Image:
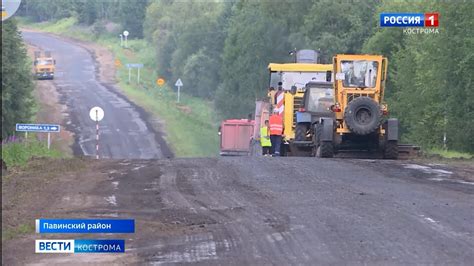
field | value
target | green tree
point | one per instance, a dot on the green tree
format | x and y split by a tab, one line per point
430	80
247	52
189	47
17	86
338	26
131	15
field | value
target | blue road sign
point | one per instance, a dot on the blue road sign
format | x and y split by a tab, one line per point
38	128
134	65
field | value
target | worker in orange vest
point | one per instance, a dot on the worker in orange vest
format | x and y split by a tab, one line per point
276	132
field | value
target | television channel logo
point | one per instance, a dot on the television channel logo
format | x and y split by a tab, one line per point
409	20
54	246
80	246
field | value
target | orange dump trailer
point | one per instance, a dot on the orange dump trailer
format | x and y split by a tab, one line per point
236	135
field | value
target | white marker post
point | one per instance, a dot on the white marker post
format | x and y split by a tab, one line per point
96	114
129	74
138	76
125	33
179	84
121	40
49	140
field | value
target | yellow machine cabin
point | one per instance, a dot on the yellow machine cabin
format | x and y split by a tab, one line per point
45	65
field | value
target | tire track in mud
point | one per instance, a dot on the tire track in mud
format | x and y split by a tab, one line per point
239	226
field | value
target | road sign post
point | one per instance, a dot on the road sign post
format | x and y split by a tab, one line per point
179	84
96	114
49	140
137	66
97	134
40	128
179	92
125	33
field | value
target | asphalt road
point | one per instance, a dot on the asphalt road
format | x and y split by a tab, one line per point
124	133
291	211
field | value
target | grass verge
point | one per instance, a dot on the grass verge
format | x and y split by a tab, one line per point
447	154
14	232
190	126
18	153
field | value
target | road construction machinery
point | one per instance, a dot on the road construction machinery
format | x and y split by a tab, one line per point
359	113
294	79
235	136
45	65
316	103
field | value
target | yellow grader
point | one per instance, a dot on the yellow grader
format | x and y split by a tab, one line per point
357	119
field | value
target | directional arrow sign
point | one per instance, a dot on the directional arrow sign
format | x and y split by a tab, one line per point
38	128
134	65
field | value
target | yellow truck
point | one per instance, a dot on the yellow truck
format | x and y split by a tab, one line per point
4	12
44	65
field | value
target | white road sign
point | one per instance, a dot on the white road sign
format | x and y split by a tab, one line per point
96	114
179	83
125	33
38	127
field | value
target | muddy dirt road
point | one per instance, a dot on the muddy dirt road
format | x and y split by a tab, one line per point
125	133
273	211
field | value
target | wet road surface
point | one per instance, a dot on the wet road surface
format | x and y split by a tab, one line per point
124	133
280	211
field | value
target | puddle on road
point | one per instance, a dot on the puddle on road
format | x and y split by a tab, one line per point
189	249
111	200
428	170
113	214
439	174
